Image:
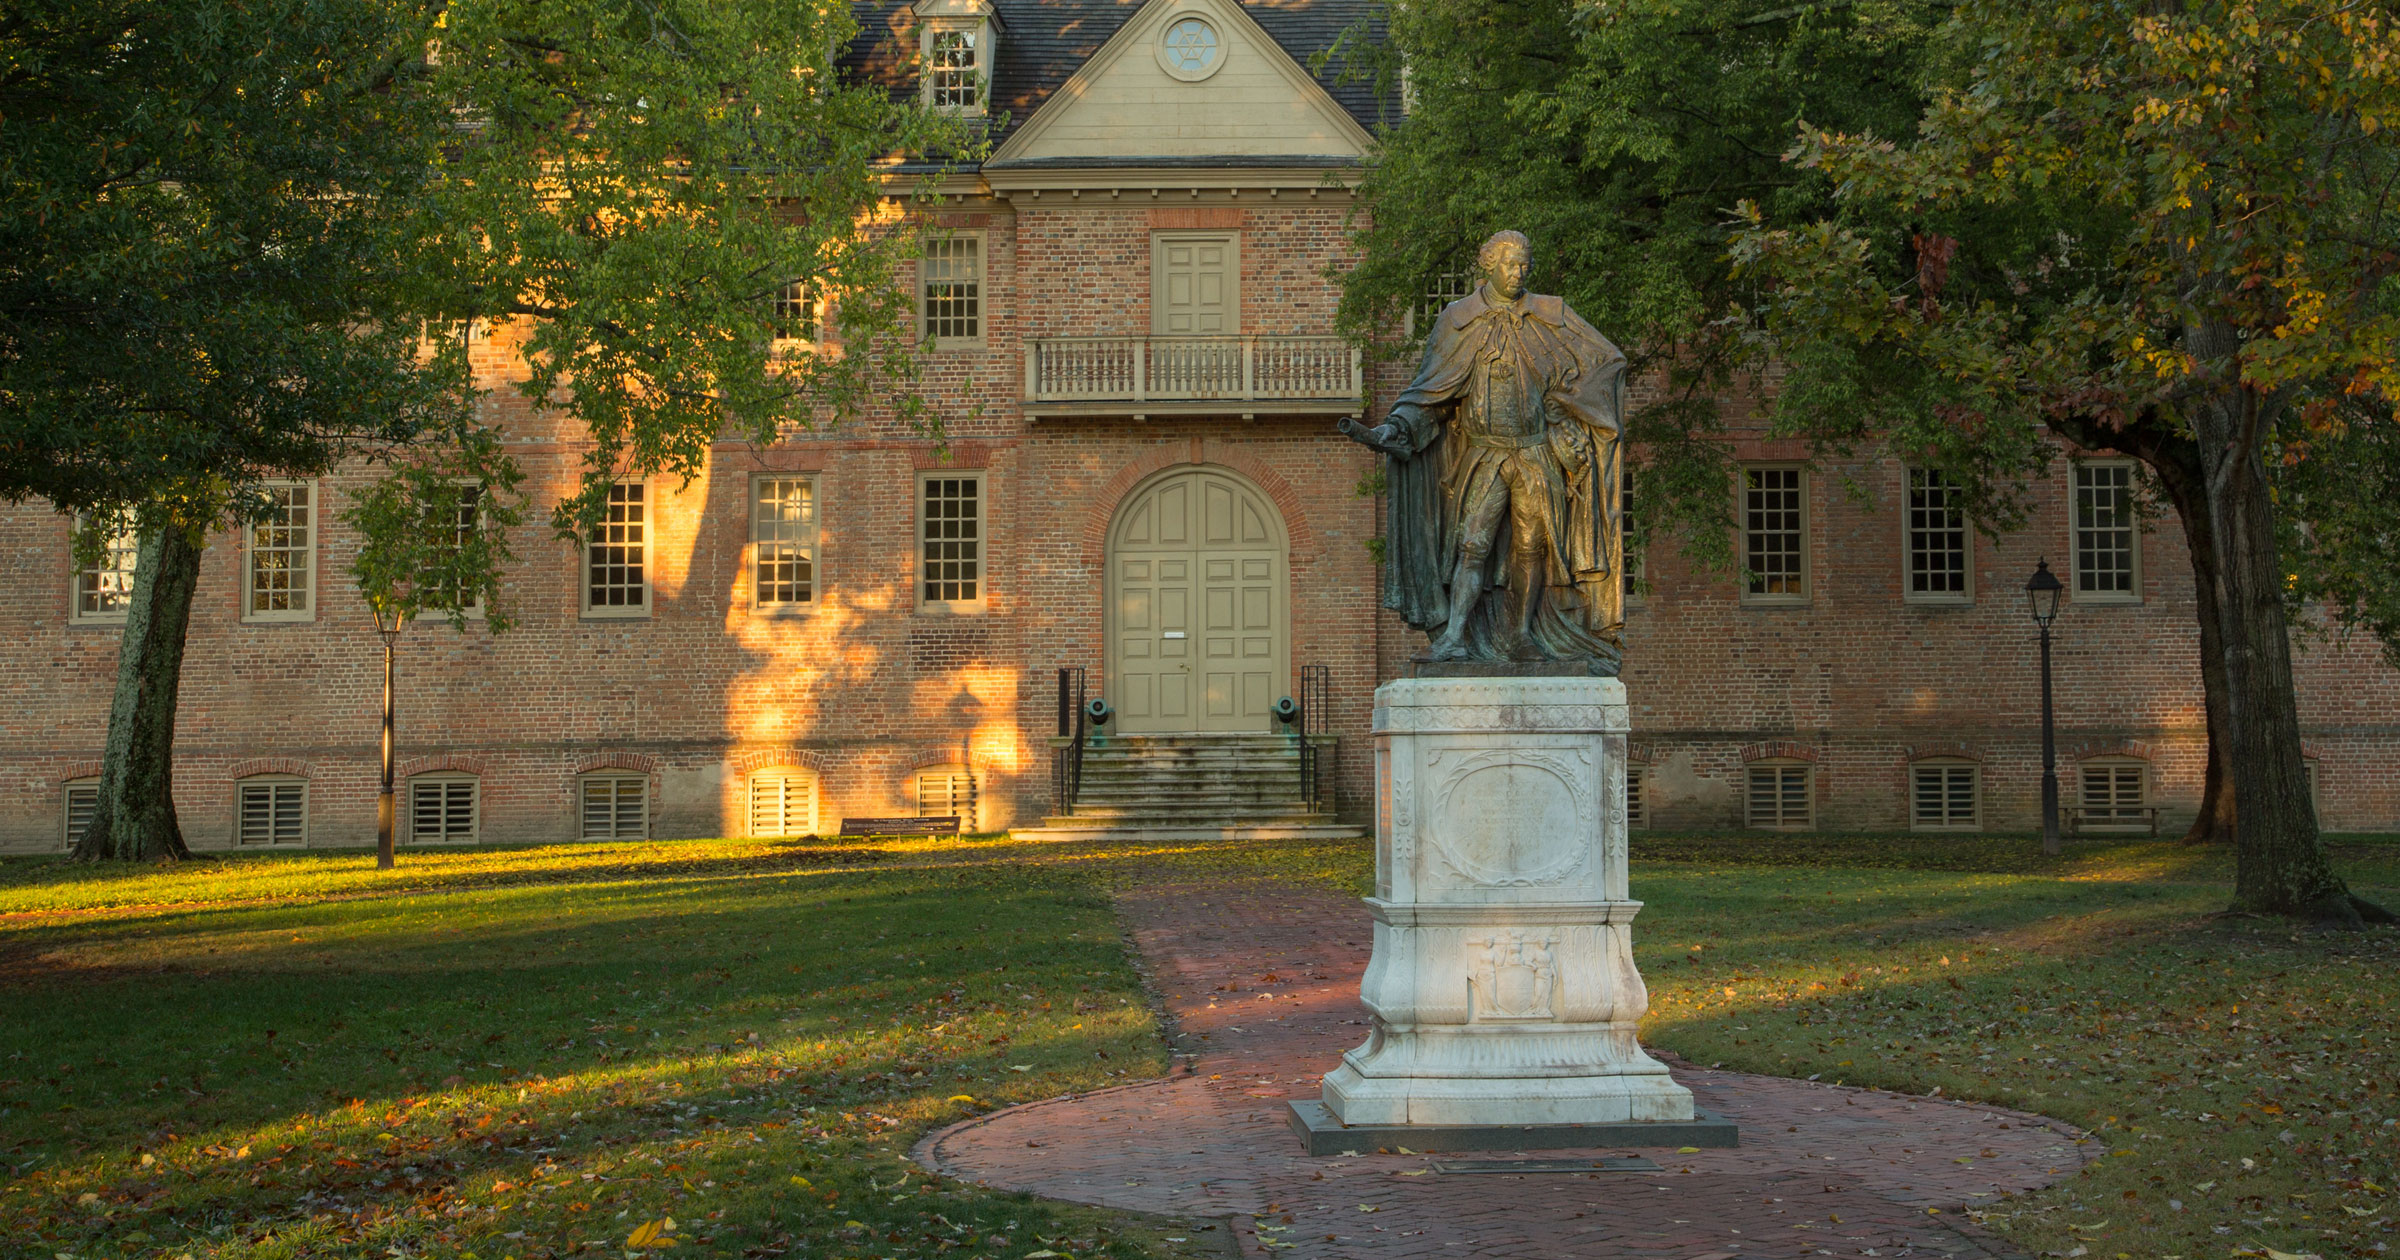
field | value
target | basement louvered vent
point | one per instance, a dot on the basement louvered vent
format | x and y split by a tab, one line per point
273	811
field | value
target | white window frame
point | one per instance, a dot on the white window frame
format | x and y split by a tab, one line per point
949	773
1780	767
274	785
780	780
1160	240
1637	796
87	786
446	781
941	242
1911	531
926	602
252	549
808	533
123	543
934	86
2075	532
590	557
1948	768
474	505
1803	581
616	779
798	313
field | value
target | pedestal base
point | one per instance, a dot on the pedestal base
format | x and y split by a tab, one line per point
1502	981
1324	1135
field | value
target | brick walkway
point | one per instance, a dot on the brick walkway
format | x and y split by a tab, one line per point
1261	983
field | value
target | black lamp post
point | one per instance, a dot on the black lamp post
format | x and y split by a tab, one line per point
2041	596
388	620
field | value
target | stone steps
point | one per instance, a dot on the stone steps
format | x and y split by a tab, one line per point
1187	787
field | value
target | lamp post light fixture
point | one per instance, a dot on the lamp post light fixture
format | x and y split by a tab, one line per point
388	620
2041	598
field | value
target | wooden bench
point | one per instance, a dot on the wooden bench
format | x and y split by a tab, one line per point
2113	820
946	825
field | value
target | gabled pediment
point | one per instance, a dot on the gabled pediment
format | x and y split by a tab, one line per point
1188	79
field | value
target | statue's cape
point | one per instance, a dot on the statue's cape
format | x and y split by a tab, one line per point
1584	390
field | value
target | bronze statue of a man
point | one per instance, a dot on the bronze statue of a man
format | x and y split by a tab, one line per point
1504	536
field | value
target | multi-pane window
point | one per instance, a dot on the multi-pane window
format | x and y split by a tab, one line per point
1942	796
783	540
271	811
1447	286
1637	804
2115	792
463	518
795	312
954	71
441	810
783	802
952	279
81	800
2105	559
283	555
104	589
947	792
1774	534
1938	550
616	806
616	563
1630	560
1779	797
952	540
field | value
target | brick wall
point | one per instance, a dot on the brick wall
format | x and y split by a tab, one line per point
867	687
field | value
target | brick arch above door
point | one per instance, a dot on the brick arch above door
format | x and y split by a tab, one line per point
1298	536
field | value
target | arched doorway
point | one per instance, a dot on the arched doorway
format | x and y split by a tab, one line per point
1199	614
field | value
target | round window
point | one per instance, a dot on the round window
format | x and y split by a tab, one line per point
1190	49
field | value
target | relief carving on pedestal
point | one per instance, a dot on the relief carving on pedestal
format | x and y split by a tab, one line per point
1513	976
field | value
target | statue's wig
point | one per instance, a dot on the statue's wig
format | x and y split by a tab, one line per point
1489	253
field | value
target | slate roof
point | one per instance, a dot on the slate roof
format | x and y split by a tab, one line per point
1044	42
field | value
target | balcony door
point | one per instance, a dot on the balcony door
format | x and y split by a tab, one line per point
1199	624
1195	284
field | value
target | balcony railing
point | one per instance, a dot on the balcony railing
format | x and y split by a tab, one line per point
1191	369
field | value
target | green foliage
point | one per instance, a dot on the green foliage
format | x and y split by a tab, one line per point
433	533
1619	137
640	180
198	275
2113	219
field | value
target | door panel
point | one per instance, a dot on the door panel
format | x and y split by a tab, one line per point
1199	635
1195	286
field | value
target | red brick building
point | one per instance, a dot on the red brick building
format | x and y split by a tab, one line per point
1136	367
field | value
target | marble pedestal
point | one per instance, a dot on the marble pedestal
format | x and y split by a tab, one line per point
1502	983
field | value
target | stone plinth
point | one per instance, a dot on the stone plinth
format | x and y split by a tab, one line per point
1502	983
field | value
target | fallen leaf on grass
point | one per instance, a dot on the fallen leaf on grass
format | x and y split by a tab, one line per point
651	1234
1688	1150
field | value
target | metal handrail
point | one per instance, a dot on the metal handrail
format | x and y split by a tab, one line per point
1066	762
1316	688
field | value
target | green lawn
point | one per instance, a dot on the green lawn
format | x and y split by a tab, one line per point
536	1052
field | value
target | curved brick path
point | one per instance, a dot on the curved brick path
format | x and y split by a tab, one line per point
1822	1170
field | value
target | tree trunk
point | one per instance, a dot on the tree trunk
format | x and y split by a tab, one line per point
136	816
2279	866
2179	475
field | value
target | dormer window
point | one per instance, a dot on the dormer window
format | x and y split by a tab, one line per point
957	40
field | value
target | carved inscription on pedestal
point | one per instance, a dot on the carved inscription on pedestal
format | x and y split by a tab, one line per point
1511	818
